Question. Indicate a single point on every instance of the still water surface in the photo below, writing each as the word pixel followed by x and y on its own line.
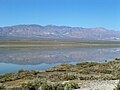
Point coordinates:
pixel 14 59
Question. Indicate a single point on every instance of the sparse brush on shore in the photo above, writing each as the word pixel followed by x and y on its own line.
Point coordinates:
pixel 65 72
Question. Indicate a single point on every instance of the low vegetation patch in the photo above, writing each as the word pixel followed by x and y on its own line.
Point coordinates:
pixel 37 84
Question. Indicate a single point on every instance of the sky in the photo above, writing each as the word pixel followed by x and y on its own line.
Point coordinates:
pixel 75 13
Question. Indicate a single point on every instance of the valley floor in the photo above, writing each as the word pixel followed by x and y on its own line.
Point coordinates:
pixel 56 43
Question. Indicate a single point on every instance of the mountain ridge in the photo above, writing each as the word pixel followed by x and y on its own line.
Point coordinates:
pixel 37 32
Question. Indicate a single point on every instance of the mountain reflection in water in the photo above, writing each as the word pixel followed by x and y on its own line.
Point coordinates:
pixel 34 57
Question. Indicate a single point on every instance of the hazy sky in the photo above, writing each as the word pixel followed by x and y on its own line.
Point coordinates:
pixel 81 13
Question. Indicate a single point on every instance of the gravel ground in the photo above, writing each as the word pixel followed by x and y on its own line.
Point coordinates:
pixel 98 85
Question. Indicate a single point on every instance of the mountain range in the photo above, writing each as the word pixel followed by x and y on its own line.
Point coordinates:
pixel 52 32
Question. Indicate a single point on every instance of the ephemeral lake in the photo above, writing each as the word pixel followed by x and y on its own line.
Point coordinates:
pixel 13 59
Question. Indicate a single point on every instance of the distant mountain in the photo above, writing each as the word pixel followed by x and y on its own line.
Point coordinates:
pixel 38 32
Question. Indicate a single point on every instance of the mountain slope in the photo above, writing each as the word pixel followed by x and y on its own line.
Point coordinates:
pixel 37 32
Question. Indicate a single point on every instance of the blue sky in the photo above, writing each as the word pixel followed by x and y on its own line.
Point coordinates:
pixel 80 13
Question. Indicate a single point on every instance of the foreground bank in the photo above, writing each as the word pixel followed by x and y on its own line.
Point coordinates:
pixel 66 77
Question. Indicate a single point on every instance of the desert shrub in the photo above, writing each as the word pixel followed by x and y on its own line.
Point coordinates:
pixel 59 87
pixel 118 86
pixel 116 74
pixel 2 86
pixel 93 70
pixel 45 85
pixel 28 86
pixel 85 71
pixel 1 76
pixel 32 85
pixel 71 86
pixel 20 71
pixel 105 71
pixel 69 77
pixel 87 78
pixel 87 64
pixel 8 77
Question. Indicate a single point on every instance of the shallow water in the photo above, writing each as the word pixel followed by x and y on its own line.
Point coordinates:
pixel 14 59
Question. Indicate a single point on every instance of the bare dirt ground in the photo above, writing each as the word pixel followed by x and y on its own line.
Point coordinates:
pixel 98 84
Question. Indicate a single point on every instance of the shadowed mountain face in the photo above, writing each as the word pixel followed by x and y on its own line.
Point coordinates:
pixel 37 32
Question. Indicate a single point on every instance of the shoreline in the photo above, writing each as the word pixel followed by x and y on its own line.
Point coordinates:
pixel 87 73
pixel 60 45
